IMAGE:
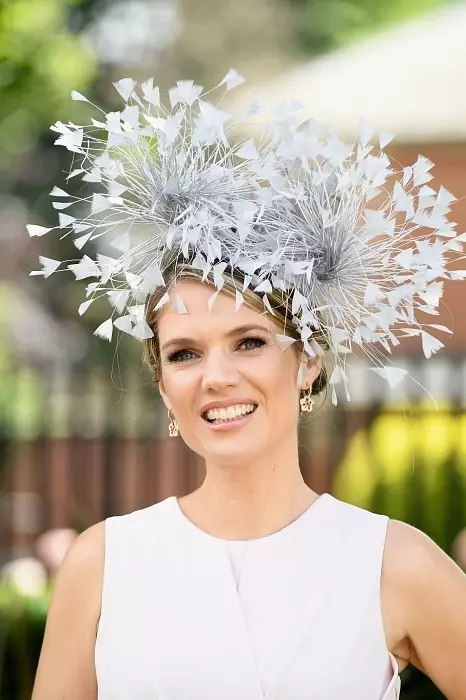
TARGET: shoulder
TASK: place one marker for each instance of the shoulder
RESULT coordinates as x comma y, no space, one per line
77,589
88,550
81,573
89,546
407,552
404,539
410,555
411,558
428,590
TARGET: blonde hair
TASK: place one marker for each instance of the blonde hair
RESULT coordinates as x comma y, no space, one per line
279,303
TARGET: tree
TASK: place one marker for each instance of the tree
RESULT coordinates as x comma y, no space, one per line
41,59
321,25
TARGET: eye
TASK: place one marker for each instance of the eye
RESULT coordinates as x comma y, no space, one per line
255,342
250,343
180,356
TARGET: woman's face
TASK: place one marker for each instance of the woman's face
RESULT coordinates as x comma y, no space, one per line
226,358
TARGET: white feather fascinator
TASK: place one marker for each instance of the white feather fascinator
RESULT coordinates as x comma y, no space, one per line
176,185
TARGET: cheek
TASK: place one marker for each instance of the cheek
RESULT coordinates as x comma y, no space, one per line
277,380
284,371
179,385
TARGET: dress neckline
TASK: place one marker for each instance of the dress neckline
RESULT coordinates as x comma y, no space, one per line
310,510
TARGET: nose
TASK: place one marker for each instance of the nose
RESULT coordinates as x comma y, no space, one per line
218,371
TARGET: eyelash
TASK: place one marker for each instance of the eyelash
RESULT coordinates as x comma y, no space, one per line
175,357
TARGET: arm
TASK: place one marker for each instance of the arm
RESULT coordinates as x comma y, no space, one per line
66,669
431,590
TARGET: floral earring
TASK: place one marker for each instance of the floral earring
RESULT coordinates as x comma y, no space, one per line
306,402
173,426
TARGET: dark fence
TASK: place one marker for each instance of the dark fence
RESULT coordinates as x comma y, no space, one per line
75,449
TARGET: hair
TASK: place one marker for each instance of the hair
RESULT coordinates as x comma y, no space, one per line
280,304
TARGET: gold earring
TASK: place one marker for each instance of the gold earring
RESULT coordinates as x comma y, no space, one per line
173,426
306,402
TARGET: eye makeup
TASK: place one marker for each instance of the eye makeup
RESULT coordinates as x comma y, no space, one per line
177,356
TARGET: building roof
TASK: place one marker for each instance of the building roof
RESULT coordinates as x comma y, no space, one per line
409,80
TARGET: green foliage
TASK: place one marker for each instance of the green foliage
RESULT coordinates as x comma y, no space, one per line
21,389
412,469
325,24
22,624
41,60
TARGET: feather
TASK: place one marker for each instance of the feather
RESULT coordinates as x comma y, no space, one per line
105,330
34,230
178,305
289,211
119,299
284,341
123,323
57,192
211,300
84,306
430,344
86,267
49,265
232,79
393,375
125,87
164,300
77,96
82,240
142,331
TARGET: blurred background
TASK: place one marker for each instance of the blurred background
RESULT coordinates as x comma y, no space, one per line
83,434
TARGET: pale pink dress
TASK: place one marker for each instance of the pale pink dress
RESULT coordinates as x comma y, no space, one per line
292,616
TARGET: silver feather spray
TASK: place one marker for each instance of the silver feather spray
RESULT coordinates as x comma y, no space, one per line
291,212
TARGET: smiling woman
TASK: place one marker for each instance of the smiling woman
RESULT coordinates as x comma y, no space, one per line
220,369
280,323
260,261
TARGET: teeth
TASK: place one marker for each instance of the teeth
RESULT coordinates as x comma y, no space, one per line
230,412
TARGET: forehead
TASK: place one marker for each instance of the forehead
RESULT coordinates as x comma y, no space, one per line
221,318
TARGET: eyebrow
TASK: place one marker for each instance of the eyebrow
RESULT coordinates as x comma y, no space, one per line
235,331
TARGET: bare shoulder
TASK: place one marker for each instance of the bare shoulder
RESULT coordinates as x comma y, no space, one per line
66,665
424,606
410,556
403,541
405,547
81,574
88,551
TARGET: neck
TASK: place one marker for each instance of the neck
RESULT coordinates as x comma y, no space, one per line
248,502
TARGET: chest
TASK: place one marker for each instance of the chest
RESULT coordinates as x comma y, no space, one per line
296,627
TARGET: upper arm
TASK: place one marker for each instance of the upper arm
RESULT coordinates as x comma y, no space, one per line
431,590
66,669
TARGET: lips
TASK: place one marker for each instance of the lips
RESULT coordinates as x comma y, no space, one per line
230,425
212,421
228,402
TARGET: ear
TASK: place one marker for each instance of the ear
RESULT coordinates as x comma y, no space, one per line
163,394
312,371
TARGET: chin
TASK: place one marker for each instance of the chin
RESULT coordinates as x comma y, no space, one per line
233,454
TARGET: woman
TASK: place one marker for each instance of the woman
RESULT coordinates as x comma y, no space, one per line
252,587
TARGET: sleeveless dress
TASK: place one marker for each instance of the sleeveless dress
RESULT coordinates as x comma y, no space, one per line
294,615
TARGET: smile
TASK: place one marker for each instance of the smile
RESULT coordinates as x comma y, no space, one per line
227,417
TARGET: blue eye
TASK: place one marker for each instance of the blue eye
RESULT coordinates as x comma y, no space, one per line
186,355
257,342
178,356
